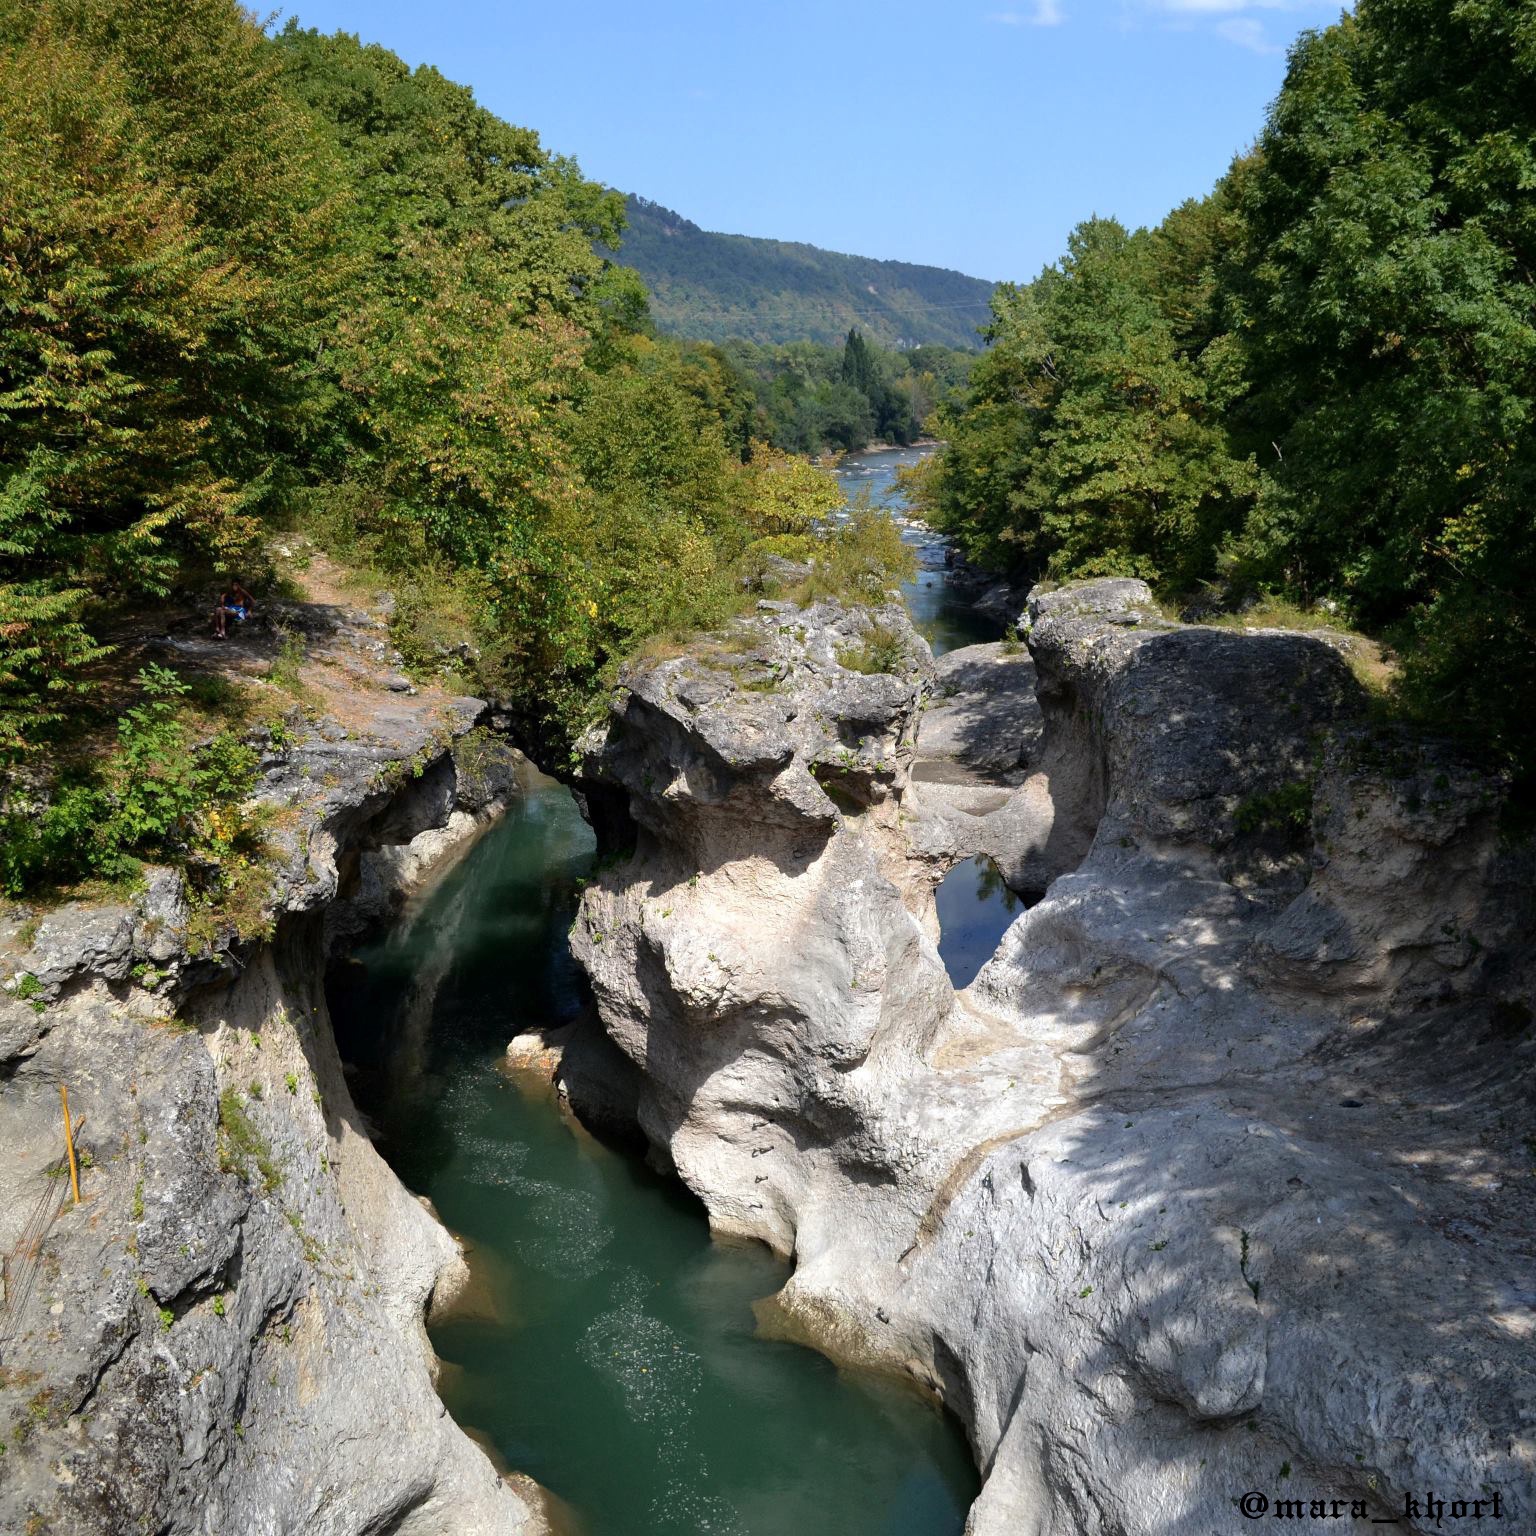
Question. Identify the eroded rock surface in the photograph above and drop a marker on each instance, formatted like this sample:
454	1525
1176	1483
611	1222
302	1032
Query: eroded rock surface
227	1335
975	785
1217	1178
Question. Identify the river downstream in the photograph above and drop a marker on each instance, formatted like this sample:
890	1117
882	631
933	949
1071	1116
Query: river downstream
943	617
609	1348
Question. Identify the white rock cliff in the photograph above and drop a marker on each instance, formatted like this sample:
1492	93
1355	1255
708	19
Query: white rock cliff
227	1335
1218	1179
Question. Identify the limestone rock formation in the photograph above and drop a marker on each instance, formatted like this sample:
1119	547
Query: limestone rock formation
1217	1178
227	1334
976	780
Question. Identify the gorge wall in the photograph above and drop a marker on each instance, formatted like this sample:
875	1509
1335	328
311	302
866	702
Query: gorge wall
227	1335
1218	1177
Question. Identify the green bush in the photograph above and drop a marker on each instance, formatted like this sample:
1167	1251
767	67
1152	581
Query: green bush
880	650
862	560
160	795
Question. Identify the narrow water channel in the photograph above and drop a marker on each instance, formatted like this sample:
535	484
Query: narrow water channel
975	907
610	1351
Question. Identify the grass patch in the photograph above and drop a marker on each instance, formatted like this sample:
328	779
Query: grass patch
856	564
859	562
880	650
242	1147
1278	613
286	669
1373	662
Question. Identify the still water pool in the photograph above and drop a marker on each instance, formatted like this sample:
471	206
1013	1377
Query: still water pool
610	1353
975	910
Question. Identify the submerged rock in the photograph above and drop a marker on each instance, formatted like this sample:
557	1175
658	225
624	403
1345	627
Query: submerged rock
1216	1179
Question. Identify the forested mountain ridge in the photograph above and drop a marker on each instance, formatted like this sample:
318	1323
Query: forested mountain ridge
713	286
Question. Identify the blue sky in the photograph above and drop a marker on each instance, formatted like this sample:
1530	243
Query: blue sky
967	135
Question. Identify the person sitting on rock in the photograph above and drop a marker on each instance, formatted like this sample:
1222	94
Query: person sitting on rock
234	603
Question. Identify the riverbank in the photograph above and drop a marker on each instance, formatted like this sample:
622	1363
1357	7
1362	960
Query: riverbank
1113	1200
917	445
244	1284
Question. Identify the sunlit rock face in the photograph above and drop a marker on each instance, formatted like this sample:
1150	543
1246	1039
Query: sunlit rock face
227	1335
1215	1180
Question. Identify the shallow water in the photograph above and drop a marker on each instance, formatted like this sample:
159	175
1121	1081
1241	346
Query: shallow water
611	1352
943	618
975	910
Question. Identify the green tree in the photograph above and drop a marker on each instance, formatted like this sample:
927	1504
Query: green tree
146	358
1088	443
1385	303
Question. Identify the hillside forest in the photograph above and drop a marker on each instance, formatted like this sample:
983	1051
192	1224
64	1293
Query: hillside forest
263	283
717	287
260	283
1315	385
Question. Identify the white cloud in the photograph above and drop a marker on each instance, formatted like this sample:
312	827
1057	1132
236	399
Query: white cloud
1228	7
1045	13
1238	21
1247	33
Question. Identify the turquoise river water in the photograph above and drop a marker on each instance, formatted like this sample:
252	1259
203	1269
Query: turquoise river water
609	1351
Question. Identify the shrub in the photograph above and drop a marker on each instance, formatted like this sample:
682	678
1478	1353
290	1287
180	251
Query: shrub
881	650
1286	811
160	795
862	560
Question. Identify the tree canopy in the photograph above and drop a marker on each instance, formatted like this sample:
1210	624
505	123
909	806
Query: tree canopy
812	398
1317	382
260	281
